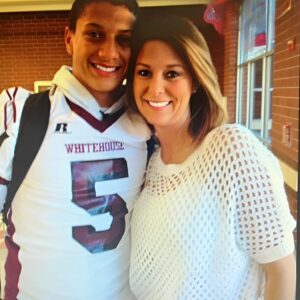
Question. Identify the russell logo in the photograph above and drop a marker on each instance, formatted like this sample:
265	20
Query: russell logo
61	128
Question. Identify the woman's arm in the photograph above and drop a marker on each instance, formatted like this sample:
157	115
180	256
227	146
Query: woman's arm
280	279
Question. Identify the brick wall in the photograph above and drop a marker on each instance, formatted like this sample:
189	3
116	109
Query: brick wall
230	60
285	108
285	101
31	47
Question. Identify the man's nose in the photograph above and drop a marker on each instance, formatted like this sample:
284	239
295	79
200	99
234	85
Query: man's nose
109	49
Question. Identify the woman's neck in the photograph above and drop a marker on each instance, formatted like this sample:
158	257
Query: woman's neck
176	145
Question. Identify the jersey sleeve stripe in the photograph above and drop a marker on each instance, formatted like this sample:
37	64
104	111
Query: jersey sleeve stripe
12	102
8	94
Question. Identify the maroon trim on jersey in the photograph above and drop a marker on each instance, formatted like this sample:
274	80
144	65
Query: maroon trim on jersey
8	94
3	181
5	115
12	101
97	124
11	97
12	265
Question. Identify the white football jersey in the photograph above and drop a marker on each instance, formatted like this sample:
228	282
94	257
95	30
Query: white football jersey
68	234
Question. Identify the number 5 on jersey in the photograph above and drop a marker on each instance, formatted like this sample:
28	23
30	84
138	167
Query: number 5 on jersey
85	174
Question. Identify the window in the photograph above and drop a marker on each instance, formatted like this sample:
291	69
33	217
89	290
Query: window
40	86
256	46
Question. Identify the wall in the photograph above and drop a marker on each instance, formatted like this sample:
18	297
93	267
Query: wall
286	82
285	108
32	46
230	60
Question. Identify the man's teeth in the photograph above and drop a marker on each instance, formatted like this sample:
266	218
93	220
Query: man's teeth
159	104
105	69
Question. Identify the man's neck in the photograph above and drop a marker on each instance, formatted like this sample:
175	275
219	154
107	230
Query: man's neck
108	99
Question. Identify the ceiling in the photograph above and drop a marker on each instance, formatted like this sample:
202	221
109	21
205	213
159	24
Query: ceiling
51	5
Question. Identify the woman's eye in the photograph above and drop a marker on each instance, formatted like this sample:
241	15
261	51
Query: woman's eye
143	73
172	74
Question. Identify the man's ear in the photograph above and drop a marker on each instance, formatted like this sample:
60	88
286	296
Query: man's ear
69	40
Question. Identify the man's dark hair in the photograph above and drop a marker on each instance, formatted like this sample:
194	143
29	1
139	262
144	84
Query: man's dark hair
79	6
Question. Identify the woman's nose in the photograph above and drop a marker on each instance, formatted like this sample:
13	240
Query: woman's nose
156	86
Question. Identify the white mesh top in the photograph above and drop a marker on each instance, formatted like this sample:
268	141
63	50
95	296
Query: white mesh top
200	229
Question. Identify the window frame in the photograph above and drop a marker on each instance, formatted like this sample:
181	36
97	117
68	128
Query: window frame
266	89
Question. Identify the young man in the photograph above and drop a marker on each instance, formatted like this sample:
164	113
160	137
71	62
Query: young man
68	225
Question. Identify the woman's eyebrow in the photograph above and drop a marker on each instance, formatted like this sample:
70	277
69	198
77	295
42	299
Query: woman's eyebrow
168	66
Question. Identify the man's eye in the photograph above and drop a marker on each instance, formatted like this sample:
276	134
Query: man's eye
124	40
96	35
144	73
172	74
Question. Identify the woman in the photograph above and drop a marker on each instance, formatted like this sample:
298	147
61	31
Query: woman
212	221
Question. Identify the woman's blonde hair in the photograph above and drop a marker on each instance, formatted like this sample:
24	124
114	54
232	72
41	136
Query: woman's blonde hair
207	105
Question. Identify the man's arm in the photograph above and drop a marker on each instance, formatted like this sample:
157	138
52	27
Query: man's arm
11	105
280	279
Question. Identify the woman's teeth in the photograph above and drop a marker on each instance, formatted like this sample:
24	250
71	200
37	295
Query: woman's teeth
158	104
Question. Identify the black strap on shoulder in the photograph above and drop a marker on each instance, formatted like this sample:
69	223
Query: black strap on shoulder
151	144
33	125
3	136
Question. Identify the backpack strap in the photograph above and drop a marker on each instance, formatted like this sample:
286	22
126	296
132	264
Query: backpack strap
151	145
33	126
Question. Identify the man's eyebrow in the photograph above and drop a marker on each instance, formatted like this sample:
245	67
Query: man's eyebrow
98	26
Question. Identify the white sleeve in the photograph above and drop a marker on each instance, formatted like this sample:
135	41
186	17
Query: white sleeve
263	220
11	106
3	192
